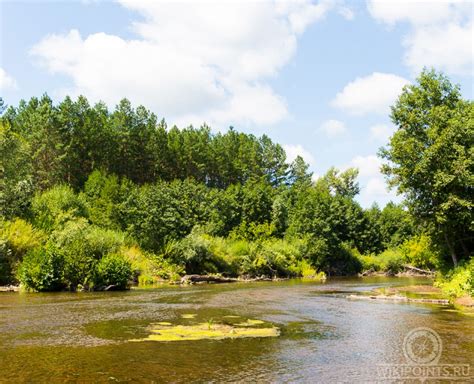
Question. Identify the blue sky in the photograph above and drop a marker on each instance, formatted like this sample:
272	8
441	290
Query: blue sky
316	76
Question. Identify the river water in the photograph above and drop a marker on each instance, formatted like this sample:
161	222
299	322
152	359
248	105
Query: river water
325	337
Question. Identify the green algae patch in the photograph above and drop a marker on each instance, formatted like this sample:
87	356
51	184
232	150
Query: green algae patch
188	315
205	331
250	323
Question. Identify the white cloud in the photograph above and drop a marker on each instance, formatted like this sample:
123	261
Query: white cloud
370	94
367	165
381	132
6	81
441	35
420	12
448	47
191	62
376	187
333	128
292	151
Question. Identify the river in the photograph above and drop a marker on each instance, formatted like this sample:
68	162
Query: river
325	337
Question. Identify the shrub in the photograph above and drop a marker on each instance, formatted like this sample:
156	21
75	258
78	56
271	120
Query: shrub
113	269
192	252
53	208
459	281
21	236
148	268
41	269
6	273
390	261
83	246
419	252
16	238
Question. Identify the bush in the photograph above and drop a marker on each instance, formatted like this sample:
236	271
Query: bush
419	252
83	246
6	273
193	253
148	268
389	261
53	208
113	269
41	269
16	238
459	281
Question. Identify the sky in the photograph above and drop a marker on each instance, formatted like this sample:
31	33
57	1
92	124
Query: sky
318	77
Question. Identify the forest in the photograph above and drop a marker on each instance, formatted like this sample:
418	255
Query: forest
92	197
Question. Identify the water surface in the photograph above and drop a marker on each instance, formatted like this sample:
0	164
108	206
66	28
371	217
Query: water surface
325	337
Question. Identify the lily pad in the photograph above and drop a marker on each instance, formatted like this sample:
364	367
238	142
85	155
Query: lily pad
204	331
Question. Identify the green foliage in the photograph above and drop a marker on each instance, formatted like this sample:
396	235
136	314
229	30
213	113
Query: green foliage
105	196
193	254
41	269
117	187
459	281
16	183
83	246
390	261
16	238
54	207
113	269
431	159
419	252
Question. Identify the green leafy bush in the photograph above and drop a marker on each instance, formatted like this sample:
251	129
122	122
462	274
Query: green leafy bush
113	269
41	269
459	281
390	261
53	208
83	246
17	237
419	252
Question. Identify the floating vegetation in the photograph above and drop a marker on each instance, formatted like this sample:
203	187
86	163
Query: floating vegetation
208	331
188	315
250	323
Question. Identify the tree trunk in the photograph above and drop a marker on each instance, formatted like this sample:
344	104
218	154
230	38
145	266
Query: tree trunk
451	250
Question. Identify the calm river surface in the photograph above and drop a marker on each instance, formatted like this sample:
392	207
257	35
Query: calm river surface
325	337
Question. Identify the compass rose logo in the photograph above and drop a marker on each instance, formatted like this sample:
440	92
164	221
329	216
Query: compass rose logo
422	346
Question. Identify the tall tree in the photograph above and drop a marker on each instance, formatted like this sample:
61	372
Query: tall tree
431	159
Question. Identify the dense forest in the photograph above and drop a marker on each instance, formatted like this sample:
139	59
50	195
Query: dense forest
92	197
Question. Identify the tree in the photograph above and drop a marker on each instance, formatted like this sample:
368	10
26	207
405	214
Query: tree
431	159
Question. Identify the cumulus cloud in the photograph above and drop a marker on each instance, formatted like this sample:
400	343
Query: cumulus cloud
381	132
191	62
6	81
367	165
372	183
333	128
441	34
292	151
370	94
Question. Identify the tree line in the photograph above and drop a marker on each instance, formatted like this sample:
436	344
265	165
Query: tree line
92	197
